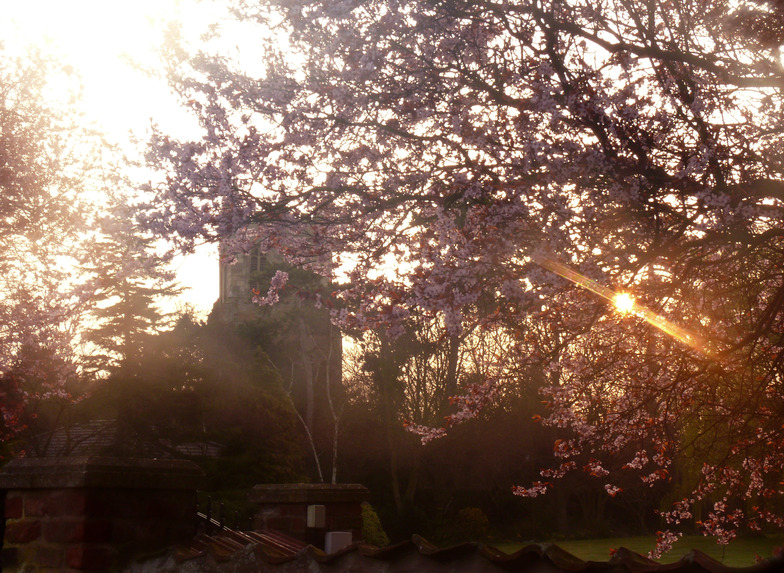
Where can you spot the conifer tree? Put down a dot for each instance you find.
(133, 283)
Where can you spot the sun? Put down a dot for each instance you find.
(624, 303)
(107, 53)
(113, 51)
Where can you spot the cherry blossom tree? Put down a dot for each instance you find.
(42, 214)
(65, 232)
(449, 155)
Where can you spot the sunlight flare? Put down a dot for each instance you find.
(624, 303)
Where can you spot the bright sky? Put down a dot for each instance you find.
(101, 39)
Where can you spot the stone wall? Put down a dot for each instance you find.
(94, 513)
(284, 508)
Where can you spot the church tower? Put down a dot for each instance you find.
(237, 281)
(298, 337)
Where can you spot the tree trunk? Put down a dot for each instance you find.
(413, 478)
(395, 480)
(451, 371)
(306, 348)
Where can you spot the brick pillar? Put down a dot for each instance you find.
(93, 513)
(284, 508)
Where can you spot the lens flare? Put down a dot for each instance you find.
(625, 304)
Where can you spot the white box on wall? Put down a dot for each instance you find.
(337, 540)
(317, 516)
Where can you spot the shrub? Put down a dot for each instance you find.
(372, 531)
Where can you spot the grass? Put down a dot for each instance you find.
(740, 553)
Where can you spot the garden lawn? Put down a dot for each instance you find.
(740, 553)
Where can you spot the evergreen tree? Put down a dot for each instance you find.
(201, 392)
(133, 283)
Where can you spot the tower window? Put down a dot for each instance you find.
(254, 259)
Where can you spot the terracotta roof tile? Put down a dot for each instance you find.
(275, 552)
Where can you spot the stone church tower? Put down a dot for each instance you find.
(298, 337)
(237, 280)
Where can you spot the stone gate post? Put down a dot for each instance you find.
(94, 513)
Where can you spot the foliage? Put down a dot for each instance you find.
(131, 279)
(45, 167)
(199, 387)
(478, 146)
(12, 398)
(372, 531)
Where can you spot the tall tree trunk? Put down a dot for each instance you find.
(451, 369)
(413, 478)
(306, 347)
(393, 472)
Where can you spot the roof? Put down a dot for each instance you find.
(97, 437)
(274, 552)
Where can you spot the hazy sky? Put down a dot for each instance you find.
(105, 41)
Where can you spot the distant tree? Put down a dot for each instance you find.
(131, 283)
(382, 373)
(417, 379)
(202, 392)
(69, 253)
(478, 146)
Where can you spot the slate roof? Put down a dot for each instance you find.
(274, 552)
(97, 437)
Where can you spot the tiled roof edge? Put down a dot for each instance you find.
(528, 558)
